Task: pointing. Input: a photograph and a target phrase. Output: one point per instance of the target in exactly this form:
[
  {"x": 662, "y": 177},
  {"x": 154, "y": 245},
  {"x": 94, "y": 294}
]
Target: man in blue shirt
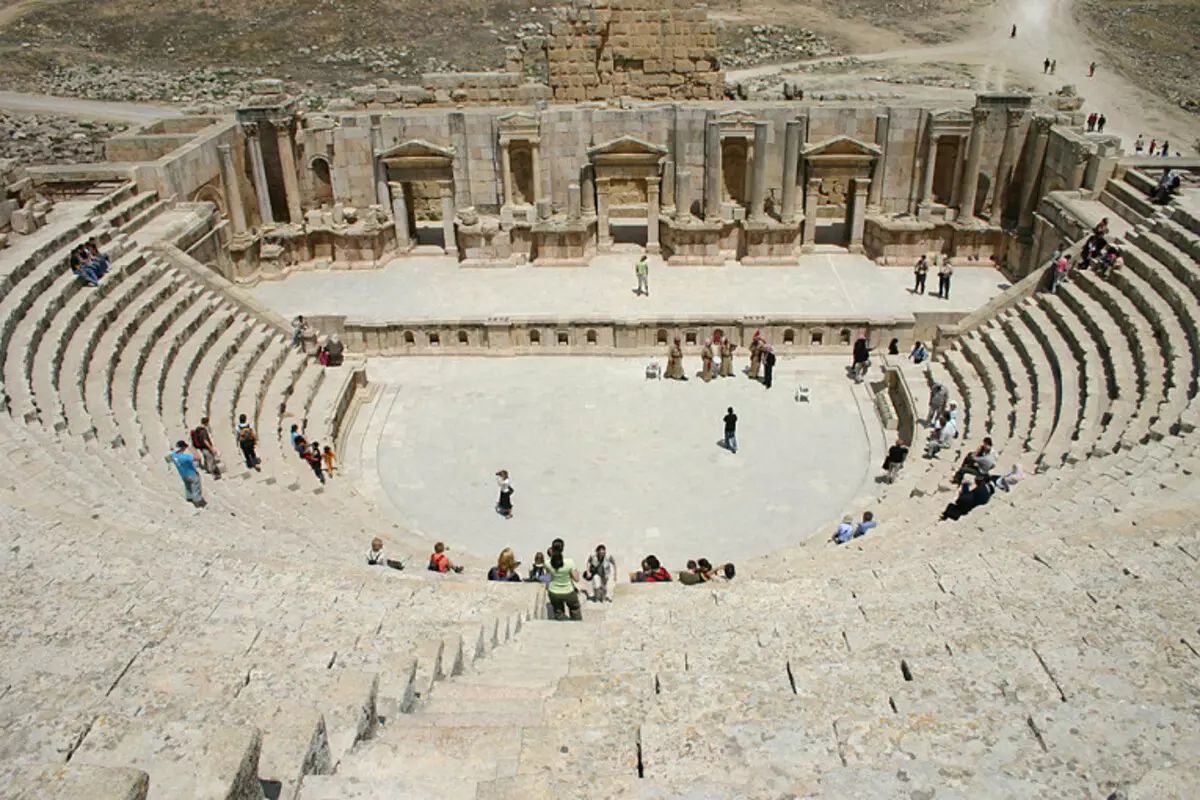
[
  {"x": 185, "y": 464},
  {"x": 868, "y": 522}
]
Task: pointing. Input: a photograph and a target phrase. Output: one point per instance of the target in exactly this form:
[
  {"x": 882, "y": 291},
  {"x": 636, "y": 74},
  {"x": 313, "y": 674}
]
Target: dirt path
[
  {"x": 1045, "y": 29},
  {"x": 14, "y": 11},
  {"x": 84, "y": 109}
]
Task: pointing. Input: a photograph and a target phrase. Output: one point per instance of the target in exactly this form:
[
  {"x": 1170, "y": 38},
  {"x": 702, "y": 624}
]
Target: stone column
[
  {"x": 960, "y": 155},
  {"x": 810, "y": 211},
  {"x": 858, "y": 213},
  {"x": 535, "y": 156},
  {"x": 588, "y": 190},
  {"x": 381, "y": 179},
  {"x": 925, "y": 200},
  {"x": 573, "y": 204},
  {"x": 966, "y": 208},
  {"x": 758, "y": 179},
  {"x": 233, "y": 194},
  {"x": 602, "y": 232},
  {"x": 1033, "y": 170},
  {"x": 259, "y": 173},
  {"x": 287, "y": 164},
  {"x": 683, "y": 194},
  {"x": 448, "y": 212},
  {"x": 652, "y": 186},
  {"x": 400, "y": 216},
  {"x": 882, "y": 126},
  {"x": 506, "y": 172},
  {"x": 1004, "y": 168},
  {"x": 791, "y": 158},
  {"x": 712, "y": 172}
]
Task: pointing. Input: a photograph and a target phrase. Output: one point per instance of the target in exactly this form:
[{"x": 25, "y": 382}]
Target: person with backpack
[
  {"x": 202, "y": 443},
  {"x": 313, "y": 456},
  {"x": 248, "y": 441},
  {"x": 564, "y": 597}
]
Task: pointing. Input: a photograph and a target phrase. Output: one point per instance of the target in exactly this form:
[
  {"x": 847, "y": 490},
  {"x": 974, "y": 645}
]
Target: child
[
  {"x": 440, "y": 562},
  {"x": 375, "y": 555},
  {"x": 330, "y": 460}
]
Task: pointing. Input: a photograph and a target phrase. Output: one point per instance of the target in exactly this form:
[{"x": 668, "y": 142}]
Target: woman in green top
[{"x": 563, "y": 595}]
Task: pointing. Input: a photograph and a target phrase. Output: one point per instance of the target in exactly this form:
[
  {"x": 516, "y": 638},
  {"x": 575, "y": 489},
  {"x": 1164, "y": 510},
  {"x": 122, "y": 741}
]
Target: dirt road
[{"x": 83, "y": 109}]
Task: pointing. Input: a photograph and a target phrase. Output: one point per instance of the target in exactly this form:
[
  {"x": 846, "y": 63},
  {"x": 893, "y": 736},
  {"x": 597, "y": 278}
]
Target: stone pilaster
[
  {"x": 258, "y": 172},
  {"x": 791, "y": 158},
  {"x": 574, "y": 209},
  {"x": 683, "y": 194},
  {"x": 603, "y": 234},
  {"x": 382, "y": 197},
  {"x": 652, "y": 201},
  {"x": 925, "y": 200},
  {"x": 758, "y": 178},
  {"x": 287, "y": 165},
  {"x": 1004, "y": 168},
  {"x": 448, "y": 213},
  {"x": 712, "y": 171},
  {"x": 506, "y": 172},
  {"x": 233, "y": 193},
  {"x": 882, "y": 126},
  {"x": 811, "y": 196},
  {"x": 1033, "y": 171},
  {"x": 966, "y": 208},
  {"x": 858, "y": 213},
  {"x": 400, "y": 216}
]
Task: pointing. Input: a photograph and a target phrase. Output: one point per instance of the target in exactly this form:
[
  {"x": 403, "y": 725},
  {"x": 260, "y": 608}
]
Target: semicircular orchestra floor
[{"x": 599, "y": 454}]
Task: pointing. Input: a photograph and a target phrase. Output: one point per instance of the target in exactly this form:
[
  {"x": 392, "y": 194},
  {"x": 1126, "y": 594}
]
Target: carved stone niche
[
  {"x": 520, "y": 164},
  {"x": 628, "y": 179}
]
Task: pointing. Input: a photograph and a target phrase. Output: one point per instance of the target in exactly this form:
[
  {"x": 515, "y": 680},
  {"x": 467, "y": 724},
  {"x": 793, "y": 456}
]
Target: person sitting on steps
[
  {"x": 440, "y": 562},
  {"x": 506, "y": 567},
  {"x": 651, "y": 572}
]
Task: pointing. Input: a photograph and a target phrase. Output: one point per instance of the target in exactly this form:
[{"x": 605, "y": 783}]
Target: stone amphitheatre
[{"x": 470, "y": 237}]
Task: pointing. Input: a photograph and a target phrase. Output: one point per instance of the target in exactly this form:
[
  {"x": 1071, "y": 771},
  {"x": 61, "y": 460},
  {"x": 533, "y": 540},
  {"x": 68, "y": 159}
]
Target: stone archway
[
  {"x": 415, "y": 169},
  {"x": 838, "y": 175},
  {"x": 628, "y": 177}
]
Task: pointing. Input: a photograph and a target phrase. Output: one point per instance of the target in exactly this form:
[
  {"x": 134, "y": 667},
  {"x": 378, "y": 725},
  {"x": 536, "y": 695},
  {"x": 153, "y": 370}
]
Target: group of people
[
  {"x": 88, "y": 263},
  {"x": 977, "y": 480},
  {"x": 1168, "y": 185},
  {"x": 762, "y": 356},
  {"x": 204, "y": 458},
  {"x": 941, "y": 419},
  {"x": 1156, "y": 149},
  {"x": 849, "y": 529},
  {"x": 331, "y": 353},
  {"x": 945, "y": 271},
  {"x": 1097, "y": 255},
  {"x": 322, "y": 461},
  {"x": 1050, "y": 66},
  {"x": 1096, "y": 122}
]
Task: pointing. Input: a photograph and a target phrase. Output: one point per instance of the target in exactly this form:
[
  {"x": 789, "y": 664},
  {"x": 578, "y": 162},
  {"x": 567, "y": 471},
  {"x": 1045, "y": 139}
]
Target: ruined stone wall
[{"x": 649, "y": 49}]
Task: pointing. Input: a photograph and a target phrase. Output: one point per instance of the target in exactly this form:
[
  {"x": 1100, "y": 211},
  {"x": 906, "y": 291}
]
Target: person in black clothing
[
  {"x": 731, "y": 431},
  {"x": 768, "y": 366},
  {"x": 919, "y": 272},
  {"x": 862, "y": 358},
  {"x": 896, "y": 456},
  {"x": 313, "y": 456},
  {"x": 969, "y": 498}
]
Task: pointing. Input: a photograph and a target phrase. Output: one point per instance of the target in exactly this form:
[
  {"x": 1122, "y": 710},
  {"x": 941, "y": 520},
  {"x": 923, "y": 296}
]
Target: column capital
[
  {"x": 1014, "y": 117},
  {"x": 980, "y": 115},
  {"x": 653, "y": 182},
  {"x": 446, "y": 188},
  {"x": 225, "y": 149},
  {"x": 1042, "y": 124}
]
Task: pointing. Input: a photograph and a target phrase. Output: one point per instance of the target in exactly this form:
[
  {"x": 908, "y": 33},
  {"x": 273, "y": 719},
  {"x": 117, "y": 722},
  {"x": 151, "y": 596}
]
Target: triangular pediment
[
  {"x": 418, "y": 148},
  {"x": 736, "y": 118},
  {"x": 842, "y": 146},
  {"x": 951, "y": 116},
  {"x": 626, "y": 146},
  {"x": 517, "y": 119}
]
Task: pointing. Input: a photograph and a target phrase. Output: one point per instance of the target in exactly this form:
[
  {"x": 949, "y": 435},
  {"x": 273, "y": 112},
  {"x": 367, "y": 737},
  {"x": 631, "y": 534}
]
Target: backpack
[
  {"x": 246, "y": 434},
  {"x": 196, "y": 441}
]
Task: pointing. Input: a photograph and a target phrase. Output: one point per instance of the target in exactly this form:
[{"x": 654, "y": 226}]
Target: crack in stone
[{"x": 1049, "y": 674}]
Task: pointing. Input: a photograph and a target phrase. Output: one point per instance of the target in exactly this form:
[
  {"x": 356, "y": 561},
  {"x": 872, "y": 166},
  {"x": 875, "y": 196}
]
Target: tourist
[
  {"x": 1009, "y": 479},
  {"x": 298, "y": 442},
  {"x": 1053, "y": 65},
  {"x": 1166, "y": 146},
  {"x": 1167, "y": 185},
  {"x": 730, "y": 430},
  {"x": 1058, "y": 273},
  {"x": 1153, "y": 145},
  {"x": 185, "y": 465},
  {"x": 945, "y": 273},
  {"x": 1139, "y": 145},
  {"x": 860, "y": 358},
  {"x": 944, "y": 435},
  {"x": 939, "y": 396},
  {"x": 919, "y": 273},
  {"x": 98, "y": 260},
  {"x": 919, "y": 353},
  {"x": 375, "y": 555},
  {"x": 675, "y": 361},
  {"x": 970, "y": 497},
  {"x": 335, "y": 352},
  {"x": 1101, "y": 121},
  {"x": 642, "y": 270},
  {"x": 978, "y": 464},
  {"x": 83, "y": 269},
  {"x": 894, "y": 460},
  {"x": 690, "y": 575},
  {"x": 203, "y": 444},
  {"x": 601, "y": 571},
  {"x": 440, "y": 562},
  {"x": 313, "y": 456},
  {"x": 756, "y": 354},
  {"x": 539, "y": 572},
  {"x": 248, "y": 441},
  {"x": 706, "y": 361},
  {"x": 506, "y": 568},
  {"x": 1046, "y": 66},
  {"x": 845, "y": 531},
  {"x": 504, "y": 504},
  {"x": 894, "y": 347},
  {"x": 1092, "y": 69},
  {"x": 651, "y": 572},
  {"x": 330, "y": 459},
  {"x": 1101, "y": 228},
  {"x": 1091, "y": 122},
  {"x": 564, "y": 597},
  {"x": 864, "y": 527},
  {"x": 299, "y": 326},
  {"x": 768, "y": 365},
  {"x": 1013, "y": 34}
]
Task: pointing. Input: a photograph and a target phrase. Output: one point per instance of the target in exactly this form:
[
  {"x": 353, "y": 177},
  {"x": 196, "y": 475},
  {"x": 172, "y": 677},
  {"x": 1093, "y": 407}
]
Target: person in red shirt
[
  {"x": 652, "y": 572},
  {"x": 440, "y": 562}
]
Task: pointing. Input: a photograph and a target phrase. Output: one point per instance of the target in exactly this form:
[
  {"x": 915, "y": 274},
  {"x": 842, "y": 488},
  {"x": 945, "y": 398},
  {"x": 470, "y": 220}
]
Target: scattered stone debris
[{"x": 47, "y": 139}]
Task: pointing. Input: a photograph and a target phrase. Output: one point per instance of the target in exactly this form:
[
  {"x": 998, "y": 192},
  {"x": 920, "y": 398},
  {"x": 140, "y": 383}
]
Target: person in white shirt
[{"x": 602, "y": 572}]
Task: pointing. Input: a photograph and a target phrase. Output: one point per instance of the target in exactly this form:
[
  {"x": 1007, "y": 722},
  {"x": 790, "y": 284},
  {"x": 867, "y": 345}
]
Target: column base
[
  {"x": 924, "y": 211},
  {"x": 856, "y": 248},
  {"x": 653, "y": 248}
]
